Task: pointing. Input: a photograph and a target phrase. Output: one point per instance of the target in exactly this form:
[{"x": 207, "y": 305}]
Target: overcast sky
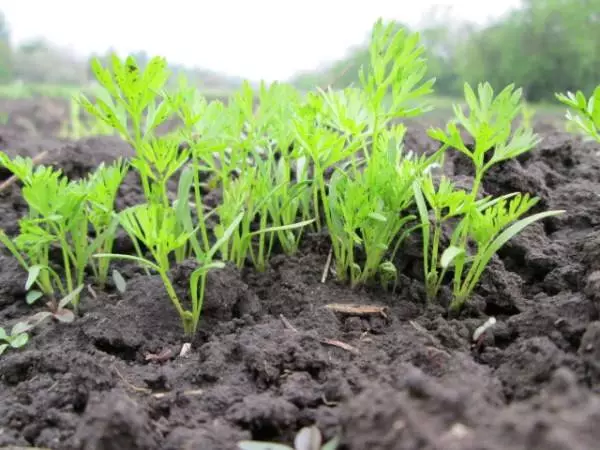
[{"x": 256, "y": 39}]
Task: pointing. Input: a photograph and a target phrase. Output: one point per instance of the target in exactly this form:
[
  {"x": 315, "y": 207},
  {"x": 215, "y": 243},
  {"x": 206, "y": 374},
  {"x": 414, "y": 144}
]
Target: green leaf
[
  {"x": 19, "y": 341},
  {"x": 332, "y": 444},
  {"x": 3, "y": 348},
  {"x": 119, "y": 281},
  {"x": 508, "y": 234},
  {"x": 20, "y": 327},
  {"x": 378, "y": 216},
  {"x": 142, "y": 261},
  {"x": 32, "y": 296},
  {"x": 32, "y": 275},
  {"x": 449, "y": 255},
  {"x": 225, "y": 237},
  {"x": 69, "y": 297}
]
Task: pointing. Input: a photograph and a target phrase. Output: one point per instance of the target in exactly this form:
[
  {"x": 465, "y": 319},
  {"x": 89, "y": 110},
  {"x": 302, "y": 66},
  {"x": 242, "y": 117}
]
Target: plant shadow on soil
[{"x": 269, "y": 357}]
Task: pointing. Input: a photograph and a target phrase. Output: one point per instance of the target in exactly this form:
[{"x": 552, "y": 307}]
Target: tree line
[{"x": 543, "y": 46}]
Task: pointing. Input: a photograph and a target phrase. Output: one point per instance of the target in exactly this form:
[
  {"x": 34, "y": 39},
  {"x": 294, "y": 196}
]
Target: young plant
[
  {"x": 368, "y": 209},
  {"x": 102, "y": 188},
  {"x": 19, "y": 335},
  {"x": 56, "y": 216},
  {"x": 254, "y": 170},
  {"x": 308, "y": 438},
  {"x": 364, "y": 202},
  {"x": 134, "y": 103},
  {"x": 157, "y": 229},
  {"x": 584, "y": 113},
  {"x": 17, "y": 338},
  {"x": 487, "y": 223},
  {"x": 394, "y": 83},
  {"x": 60, "y": 212},
  {"x": 255, "y": 193}
]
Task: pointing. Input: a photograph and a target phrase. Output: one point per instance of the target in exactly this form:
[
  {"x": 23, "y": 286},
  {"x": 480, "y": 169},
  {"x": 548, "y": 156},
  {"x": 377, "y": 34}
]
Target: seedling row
[{"x": 284, "y": 166}]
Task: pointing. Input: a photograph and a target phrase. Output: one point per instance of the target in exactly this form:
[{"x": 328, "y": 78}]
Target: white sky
[{"x": 251, "y": 38}]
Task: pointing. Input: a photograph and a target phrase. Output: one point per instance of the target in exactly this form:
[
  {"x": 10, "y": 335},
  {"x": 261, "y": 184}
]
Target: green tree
[
  {"x": 546, "y": 46},
  {"x": 6, "y": 69}
]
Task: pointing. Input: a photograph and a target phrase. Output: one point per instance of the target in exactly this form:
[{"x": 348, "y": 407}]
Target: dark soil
[{"x": 411, "y": 378}]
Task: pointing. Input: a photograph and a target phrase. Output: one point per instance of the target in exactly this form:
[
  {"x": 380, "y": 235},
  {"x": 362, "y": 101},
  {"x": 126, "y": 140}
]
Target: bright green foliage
[
  {"x": 397, "y": 67},
  {"x": 366, "y": 199},
  {"x": 584, "y": 113},
  {"x": 134, "y": 104},
  {"x": 156, "y": 227},
  {"x": 282, "y": 164},
  {"x": 60, "y": 212},
  {"x": 17, "y": 338},
  {"x": 248, "y": 154},
  {"x": 102, "y": 189},
  {"x": 490, "y": 124},
  {"x": 486, "y": 223},
  {"x": 368, "y": 208}
]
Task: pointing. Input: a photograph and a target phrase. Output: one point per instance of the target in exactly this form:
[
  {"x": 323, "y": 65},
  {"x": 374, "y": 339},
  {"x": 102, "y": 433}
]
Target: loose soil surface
[{"x": 270, "y": 358}]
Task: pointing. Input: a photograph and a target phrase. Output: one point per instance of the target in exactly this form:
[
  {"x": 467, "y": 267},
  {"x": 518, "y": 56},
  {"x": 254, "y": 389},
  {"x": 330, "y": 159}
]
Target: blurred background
[{"x": 544, "y": 46}]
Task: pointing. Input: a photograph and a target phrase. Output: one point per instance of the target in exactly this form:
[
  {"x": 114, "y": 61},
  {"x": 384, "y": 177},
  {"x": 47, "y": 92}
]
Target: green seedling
[
  {"x": 394, "y": 83},
  {"x": 57, "y": 310},
  {"x": 308, "y": 438},
  {"x": 134, "y": 104},
  {"x": 156, "y": 228},
  {"x": 59, "y": 215},
  {"x": 263, "y": 203},
  {"x": 324, "y": 149},
  {"x": 17, "y": 338},
  {"x": 253, "y": 165},
  {"x": 102, "y": 189},
  {"x": 584, "y": 114},
  {"x": 365, "y": 201},
  {"x": 368, "y": 209},
  {"x": 487, "y": 223}
]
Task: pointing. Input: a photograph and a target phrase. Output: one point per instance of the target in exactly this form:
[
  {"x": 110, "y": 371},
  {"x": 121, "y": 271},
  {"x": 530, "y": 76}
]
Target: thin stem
[
  {"x": 172, "y": 294},
  {"x": 199, "y": 203},
  {"x": 197, "y": 306}
]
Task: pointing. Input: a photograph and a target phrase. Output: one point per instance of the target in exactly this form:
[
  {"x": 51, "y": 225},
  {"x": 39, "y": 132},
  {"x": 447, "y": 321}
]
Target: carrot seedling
[
  {"x": 486, "y": 223},
  {"x": 17, "y": 338},
  {"x": 584, "y": 113},
  {"x": 102, "y": 188},
  {"x": 156, "y": 228},
  {"x": 134, "y": 103},
  {"x": 368, "y": 209}
]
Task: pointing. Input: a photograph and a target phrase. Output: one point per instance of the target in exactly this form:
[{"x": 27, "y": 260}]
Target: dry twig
[
  {"x": 287, "y": 323},
  {"x": 358, "y": 310}
]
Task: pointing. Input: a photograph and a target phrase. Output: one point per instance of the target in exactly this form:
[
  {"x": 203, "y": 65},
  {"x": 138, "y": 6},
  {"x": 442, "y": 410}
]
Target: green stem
[
  {"x": 197, "y": 306},
  {"x": 173, "y": 296},
  {"x": 199, "y": 204}
]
